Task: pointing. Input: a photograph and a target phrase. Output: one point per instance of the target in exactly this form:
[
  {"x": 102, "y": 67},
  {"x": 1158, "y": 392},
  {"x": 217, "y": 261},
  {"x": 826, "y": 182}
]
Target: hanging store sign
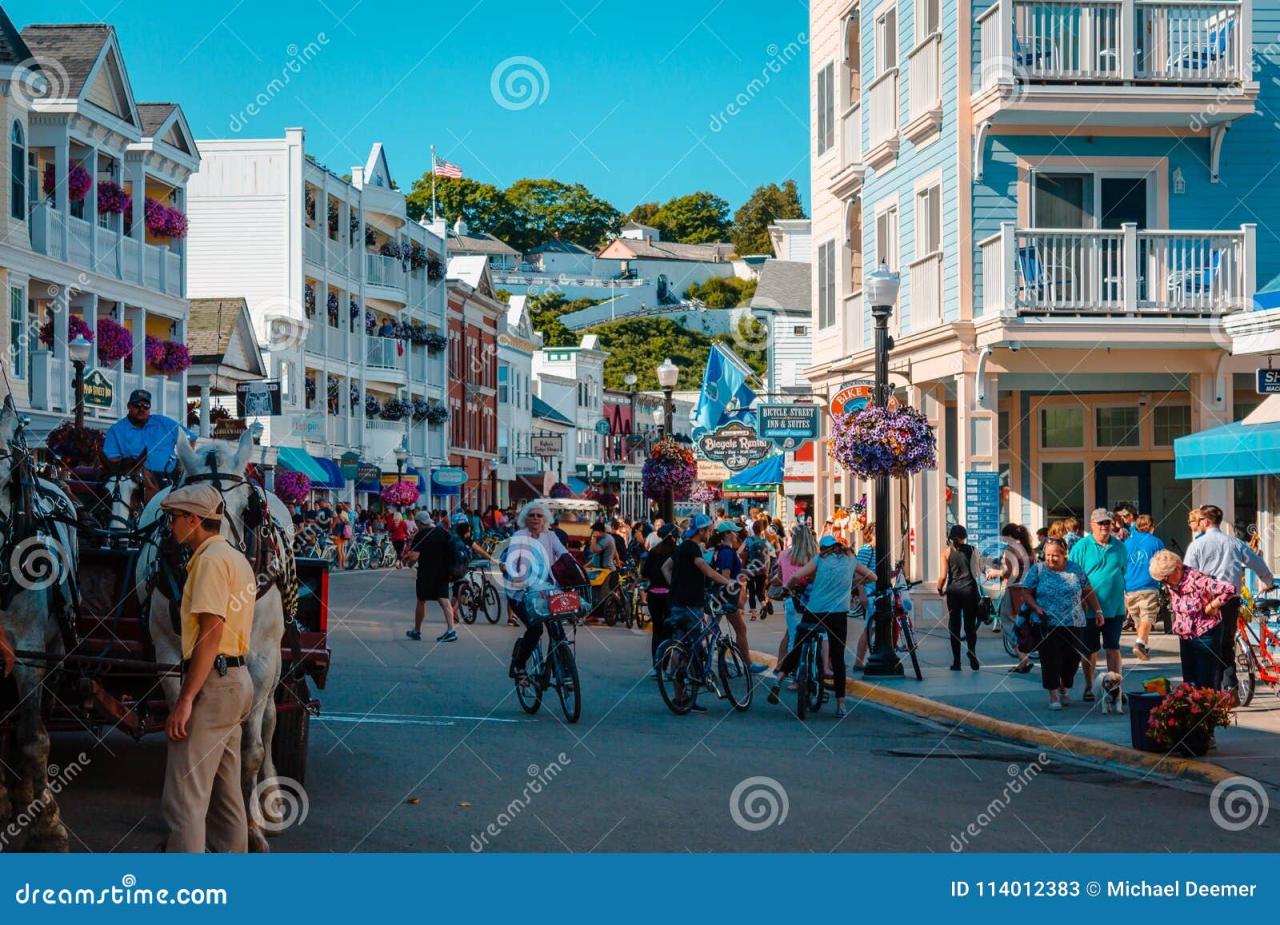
[
  {"x": 546, "y": 445},
  {"x": 788, "y": 426},
  {"x": 98, "y": 392},
  {"x": 735, "y": 444},
  {"x": 258, "y": 399},
  {"x": 1268, "y": 382}
]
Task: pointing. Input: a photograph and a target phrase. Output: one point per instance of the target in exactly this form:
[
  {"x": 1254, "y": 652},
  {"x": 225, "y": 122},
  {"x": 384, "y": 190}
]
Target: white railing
[
  {"x": 130, "y": 257},
  {"x": 50, "y": 385},
  {"x": 384, "y": 271},
  {"x": 564, "y": 279},
  {"x": 337, "y": 251},
  {"x": 315, "y": 338},
  {"x": 313, "y": 247},
  {"x": 108, "y": 259},
  {"x": 172, "y": 272},
  {"x": 1168, "y": 41},
  {"x": 169, "y": 392},
  {"x": 1188, "y": 41},
  {"x": 45, "y": 225},
  {"x": 883, "y": 94},
  {"x": 1124, "y": 271},
  {"x": 340, "y": 430},
  {"x": 924, "y": 84},
  {"x": 417, "y": 287},
  {"x": 78, "y": 242},
  {"x": 381, "y": 353},
  {"x": 851, "y": 135},
  {"x": 152, "y": 270},
  {"x": 926, "y": 292},
  {"x": 339, "y": 342},
  {"x": 379, "y": 424}
]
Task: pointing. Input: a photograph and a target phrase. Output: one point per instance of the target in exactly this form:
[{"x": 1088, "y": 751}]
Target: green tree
[
  {"x": 698, "y": 218},
  {"x": 482, "y": 206},
  {"x": 644, "y": 213},
  {"x": 768, "y": 204},
  {"x": 723, "y": 291},
  {"x": 639, "y": 345},
  {"x": 544, "y": 315},
  {"x": 545, "y": 209}
]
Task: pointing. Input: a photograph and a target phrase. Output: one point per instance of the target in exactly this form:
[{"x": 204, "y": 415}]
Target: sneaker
[
  {"x": 447, "y": 636},
  {"x": 773, "y": 695},
  {"x": 1055, "y": 706},
  {"x": 1064, "y": 699},
  {"x": 1141, "y": 652},
  {"x": 414, "y": 635},
  {"x": 840, "y": 711},
  {"x": 1088, "y": 696}
]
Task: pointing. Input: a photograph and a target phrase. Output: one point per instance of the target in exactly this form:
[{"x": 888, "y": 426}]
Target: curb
[{"x": 1077, "y": 746}]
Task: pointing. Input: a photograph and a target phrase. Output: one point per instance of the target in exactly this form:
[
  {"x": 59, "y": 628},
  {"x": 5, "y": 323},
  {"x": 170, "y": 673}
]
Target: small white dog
[{"x": 1109, "y": 692}]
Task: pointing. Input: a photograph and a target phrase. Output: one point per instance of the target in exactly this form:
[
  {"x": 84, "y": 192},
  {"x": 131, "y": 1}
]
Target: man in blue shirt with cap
[{"x": 143, "y": 434}]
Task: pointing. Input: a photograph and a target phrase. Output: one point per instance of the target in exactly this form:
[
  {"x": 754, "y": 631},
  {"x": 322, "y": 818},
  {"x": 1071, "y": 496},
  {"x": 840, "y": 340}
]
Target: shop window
[
  {"x": 1119, "y": 427},
  {"x": 1062, "y": 428},
  {"x": 18, "y": 331},
  {"x": 1002, "y": 419},
  {"x": 1171, "y": 422},
  {"x": 1062, "y": 490}
]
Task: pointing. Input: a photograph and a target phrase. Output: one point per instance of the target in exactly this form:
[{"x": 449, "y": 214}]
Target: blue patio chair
[
  {"x": 1200, "y": 56},
  {"x": 1196, "y": 281},
  {"x": 1041, "y": 282}
]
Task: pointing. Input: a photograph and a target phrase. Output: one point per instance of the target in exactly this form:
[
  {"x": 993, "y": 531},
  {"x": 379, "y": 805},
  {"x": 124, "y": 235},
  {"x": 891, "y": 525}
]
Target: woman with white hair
[
  {"x": 1197, "y": 600},
  {"x": 526, "y": 566}
]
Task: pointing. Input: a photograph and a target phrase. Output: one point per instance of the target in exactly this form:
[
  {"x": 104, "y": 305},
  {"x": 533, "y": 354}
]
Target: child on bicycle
[{"x": 461, "y": 524}]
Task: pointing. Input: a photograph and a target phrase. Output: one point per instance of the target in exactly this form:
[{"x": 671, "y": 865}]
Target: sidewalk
[{"x": 1251, "y": 747}]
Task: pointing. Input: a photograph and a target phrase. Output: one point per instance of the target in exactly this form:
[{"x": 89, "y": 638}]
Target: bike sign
[{"x": 735, "y": 444}]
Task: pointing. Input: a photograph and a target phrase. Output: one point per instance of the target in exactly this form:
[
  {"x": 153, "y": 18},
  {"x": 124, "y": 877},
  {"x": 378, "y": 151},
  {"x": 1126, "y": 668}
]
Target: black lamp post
[
  {"x": 668, "y": 376},
  {"x": 78, "y": 349},
  {"x": 882, "y": 291},
  {"x": 402, "y": 453}
]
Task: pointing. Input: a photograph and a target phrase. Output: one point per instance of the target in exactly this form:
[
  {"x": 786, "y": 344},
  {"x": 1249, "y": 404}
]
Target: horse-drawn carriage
[{"x": 89, "y": 585}]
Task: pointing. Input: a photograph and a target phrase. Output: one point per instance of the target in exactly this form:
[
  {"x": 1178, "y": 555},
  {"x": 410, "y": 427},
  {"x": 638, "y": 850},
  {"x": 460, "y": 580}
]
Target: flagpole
[{"x": 433, "y": 183}]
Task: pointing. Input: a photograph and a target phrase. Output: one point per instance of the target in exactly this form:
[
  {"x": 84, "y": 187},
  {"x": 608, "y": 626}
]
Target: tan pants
[{"x": 203, "y": 804}]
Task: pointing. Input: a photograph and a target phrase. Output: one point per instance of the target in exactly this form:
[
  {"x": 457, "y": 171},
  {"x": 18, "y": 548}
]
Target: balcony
[
  {"x": 313, "y": 247},
  {"x": 1147, "y": 63},
  {"x": 342, "y": 431},
  {"x": 926, "y": 292},
  {"x": 924, "y": 90},
  {"x": 382, "y": 353},
  {"x": 52, "y": 388},
  {"x": 337, "y": 252},
  {"x": 883, "y": 105},
  {"x": 386, "y": 274},
  {"x": 1123, "y": 272},
  {"x": 848, "y": 179}
]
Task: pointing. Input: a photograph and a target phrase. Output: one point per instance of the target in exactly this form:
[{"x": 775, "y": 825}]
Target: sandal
[
  {"x": 1087, "y": 696},
  {"x": 1020, "y": 669}
]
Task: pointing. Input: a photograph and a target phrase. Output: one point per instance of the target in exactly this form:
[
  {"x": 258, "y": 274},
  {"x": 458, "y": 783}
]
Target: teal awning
[
  {"x": 300, "y": 461},
  {"x": 761, "y": 475},
  {"x": 1236, "y": 450}
]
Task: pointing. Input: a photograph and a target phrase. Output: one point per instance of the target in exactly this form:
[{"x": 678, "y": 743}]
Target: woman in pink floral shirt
[{"x": 1197, "y": 601}]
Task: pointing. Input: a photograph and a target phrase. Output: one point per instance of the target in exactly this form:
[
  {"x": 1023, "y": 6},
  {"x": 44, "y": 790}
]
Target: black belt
[{"x": 228, "y": 661}]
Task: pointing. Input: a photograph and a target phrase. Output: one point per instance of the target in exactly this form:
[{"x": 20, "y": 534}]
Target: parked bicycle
[
  {"x": 478, "y": 594},
  {"x": 556, "y": 666},
  {"x": 904, "y": 634},
  {"x": 703, "y": 657},
  {"x": 1257, "y": 647}
]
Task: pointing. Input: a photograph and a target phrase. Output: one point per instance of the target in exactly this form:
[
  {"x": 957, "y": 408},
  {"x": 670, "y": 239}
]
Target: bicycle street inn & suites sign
[{"x": 735, "y": 444}]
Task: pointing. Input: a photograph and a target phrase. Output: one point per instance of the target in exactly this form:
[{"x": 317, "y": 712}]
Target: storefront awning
[
  {"x": 290, "y": 457},
  {"x": 577, "y": 484},
  {"x": 760, "y": 477},
  {"x": 1238, "y": 450},
  {"x": 525, "y": 487},
  {"x": 333, "y": 475}
]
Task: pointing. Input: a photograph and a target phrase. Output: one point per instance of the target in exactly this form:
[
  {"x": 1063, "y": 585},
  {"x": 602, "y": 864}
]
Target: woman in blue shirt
[{"x": 1056, "y": 591}]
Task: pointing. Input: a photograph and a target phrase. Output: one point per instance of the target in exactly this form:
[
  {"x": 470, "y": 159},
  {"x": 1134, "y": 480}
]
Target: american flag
[{"x": 443, "y": 168}]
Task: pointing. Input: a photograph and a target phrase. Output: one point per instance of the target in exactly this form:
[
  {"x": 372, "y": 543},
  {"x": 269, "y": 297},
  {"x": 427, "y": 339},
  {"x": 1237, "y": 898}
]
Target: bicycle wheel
[
  {"x": 467, "y": 603},
  {"x": 611, "y": 609},
  {"x": 564, "y": 674},
  {"x": 813, "y": 691},
  {"x": 673, "y": 677},
  {"x": 735, "y": 675},
  {"x": 909, "y": 639},
  {"x": 489, "y": 601},
  {"x": 1010, "y": 639},
  {"x": 529, "y": 690},
  {"x": 1246, "y": 673}
]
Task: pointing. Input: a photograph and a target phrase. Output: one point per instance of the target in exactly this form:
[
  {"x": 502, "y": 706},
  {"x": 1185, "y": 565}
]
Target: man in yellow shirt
[{"x": 203, "y": 804}]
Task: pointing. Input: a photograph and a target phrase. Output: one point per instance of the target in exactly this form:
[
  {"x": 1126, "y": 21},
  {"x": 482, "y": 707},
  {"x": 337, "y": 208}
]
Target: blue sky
[{"x": 636, "y": 94}]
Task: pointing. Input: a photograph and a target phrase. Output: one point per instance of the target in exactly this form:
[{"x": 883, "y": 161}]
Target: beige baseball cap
[{"x": 199, "y": 499}]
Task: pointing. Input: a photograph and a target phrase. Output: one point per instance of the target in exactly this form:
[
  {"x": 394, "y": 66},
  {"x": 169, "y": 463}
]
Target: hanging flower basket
[
  {"x": 435, "y": 268},
  {"x": 309, "y": 300},
  {"x": 370, "y": 239},
  {"x": 311, "y": 390},
  {"x": 115, "y": 341},
  {"x": 606, "y": 499},
  {"x": 421, "y": 409},
  {"x": 176, "y": 359},
  {"x": 75, "y": 446},
  {"x": 370, "y": 321},
  {"x": 75, "y": 325},
  {"x": 372, "y": 407},
  {"x": 417, "y": 256},
  {"x": 333, "y": 218},
  {"x": 393, "y": 409},
  {"x": 154, "y": 350},
  {"x": 561, "y": 490},
  {"x": 670, "y": 466},
  {"x": 292, "y": 487},
  {"x": 355, "y": 227},
  {"x": 331, "y": 305},
  {"x": 391, "y": 249},
  {"x": 78, "y": 182},
  {"x": 400, "y": 494},
  {"x": 877, "y": 441},
  {"x": 436, "y": 342},
  {"x": 702, "y": 493},
  {"x": 354, "y": 393},
  {"x": 112, "y": 198},
  {"x": 437, "y": 414},
  {"x": 311, "y": 205},
  {"x": 353, "y": 308}
]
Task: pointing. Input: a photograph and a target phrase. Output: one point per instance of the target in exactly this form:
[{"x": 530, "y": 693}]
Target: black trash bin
[{"x": 1140, "y": 706}]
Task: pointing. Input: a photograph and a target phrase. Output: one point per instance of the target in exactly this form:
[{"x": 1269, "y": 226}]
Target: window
[
  {"x": 800, "y": 330},
  {"x": 887, "y": 238},
  {"x": 1119, "y": 427},
  {"x": 886, "y": 40},
  {"x": 929, "y": 221},
  {"x": 1171, "y": 422},
  {"x": 504, "y": 373},
  {"x": 826, "y": 284},
  {"x": 852, "y": 56},
  {"x": 1062, "y": 428},
  {"x": 1063, "y": 489},
  {"x": 17, "y": 172},
  {"x": 18, "y": 331},
  {"x": 826, "y": 109},
  {"x": 928, "y": 19},
  {"x": 1002, "y": 422}
]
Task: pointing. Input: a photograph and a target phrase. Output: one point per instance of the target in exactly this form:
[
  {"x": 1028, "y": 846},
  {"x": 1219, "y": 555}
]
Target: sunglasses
[{"x": 143, "y": 405}]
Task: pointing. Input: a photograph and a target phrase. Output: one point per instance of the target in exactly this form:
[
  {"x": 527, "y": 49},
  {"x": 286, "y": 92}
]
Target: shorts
[
  {"x": 431, "y": 586},
  {"x": 1142, "y": 605},
  {"x": 1094, "y": 638},
  {"x": 683, "y": 619}
]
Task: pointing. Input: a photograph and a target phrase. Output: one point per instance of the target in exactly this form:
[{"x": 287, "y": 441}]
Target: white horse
[
  {"x": 39, "y": 569},
  {"x": 229, "y": 460}
]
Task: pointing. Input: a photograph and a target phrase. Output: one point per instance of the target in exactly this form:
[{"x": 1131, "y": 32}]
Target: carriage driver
[
  {"x": 141, "y": 433},
  {"x": 203, "y": 804}
]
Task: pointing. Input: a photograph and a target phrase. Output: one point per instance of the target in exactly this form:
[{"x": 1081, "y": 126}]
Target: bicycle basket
[{"x": 552, "y": 604}]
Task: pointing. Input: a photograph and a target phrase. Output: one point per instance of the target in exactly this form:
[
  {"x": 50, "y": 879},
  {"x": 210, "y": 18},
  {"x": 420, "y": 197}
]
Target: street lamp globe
[
  {"x": 881, "y": 287},
  {"x": 668, "y": 374},
  {"x": 78, "y": 349},
  {"x": 659, "y": 415},
  {"x": 401, "y": 455},
  {"x": 630, "y": 379}
]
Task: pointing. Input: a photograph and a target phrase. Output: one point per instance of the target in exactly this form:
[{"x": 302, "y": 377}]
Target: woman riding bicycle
[
  {"x": 834, "y": 573},
  {"x": 526, "y": 569}
]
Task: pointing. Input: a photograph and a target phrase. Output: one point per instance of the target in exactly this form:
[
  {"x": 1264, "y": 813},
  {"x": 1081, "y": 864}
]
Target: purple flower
[
  {"x": 877, "y": 441},
  {"x": 115, "y": 341},
  {"x": 112, "y": 198},
  {"x": 292, "y": 487}
]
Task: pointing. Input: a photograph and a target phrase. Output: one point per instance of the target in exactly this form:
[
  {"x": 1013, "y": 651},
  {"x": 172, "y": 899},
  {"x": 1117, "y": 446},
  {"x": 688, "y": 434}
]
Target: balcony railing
[
  {"x": 384, "y": 271},
  {"x": 382, "y": 353},
  {"x": 313, "y": 246},
  {"x": 565, "y": 279},
  {"x": 926, "y": 292},
  {"x": 1121, "y": 272},
  {"x": 337, "y": 252},
  {"x": 924, "y": 78},
  {"x": 851, "y": 136},
  {"x": 1157, "y": 41},
  {"x": 883, "y": 104},
  {"x": 52, "y": 388}
]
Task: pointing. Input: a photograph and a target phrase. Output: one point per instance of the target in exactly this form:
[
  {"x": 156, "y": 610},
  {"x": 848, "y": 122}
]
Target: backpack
[
  {"x": 459, "y": 556},
  {"x": 757, "y": 552}
]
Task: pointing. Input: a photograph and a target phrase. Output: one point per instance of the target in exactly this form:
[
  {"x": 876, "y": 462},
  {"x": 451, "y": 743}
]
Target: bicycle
[
  {"x": 811, "y": 692},
  {"x": 684, "y": 664},
  {"x": 1257, "y": 648},
  {"x": 558, "y": 668},
  {"x": 904, "y": 636},
  {"x": 477, "y": 594}
]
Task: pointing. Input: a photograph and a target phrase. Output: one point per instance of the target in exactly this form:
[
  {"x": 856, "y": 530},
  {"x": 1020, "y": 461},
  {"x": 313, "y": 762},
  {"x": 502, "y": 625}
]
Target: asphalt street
[{"x": 422, "y": 746}]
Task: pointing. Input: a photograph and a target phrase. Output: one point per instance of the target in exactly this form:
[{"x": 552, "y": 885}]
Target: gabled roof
[
  {"x": 220, "y": 331},
  {"x": 89, "y": 55},
  {"x": 542, "y": 410},
  {"x": 518, "y": 316},
  {"x": 167, "y": 124},
  {"x": 667, "y": 250},
  {"x": 377, "y": 172},
  {"x": 784, "y": 284},
  {"x": 556, "y": 246},
  {"x": 479, "y": 242},
  {"x": 13, "y": 50},
  {"x": 471, "y": 269}
]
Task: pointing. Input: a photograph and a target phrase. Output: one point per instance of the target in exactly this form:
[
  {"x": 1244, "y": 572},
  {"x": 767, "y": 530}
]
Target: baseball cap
[
  {"x": 667, "y": 530},
  {"x": 423, "y": 517},
  {"x": 459, "y": 518},
  {"x": 200, "y": 499},
  {"x": 139, "y": 395},
  {"x": 728, "y": 526},
  {"x": 698, "y": 522},
  {"x": 827, "y": 542},
  {"x": 1100, "y": 515}
]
